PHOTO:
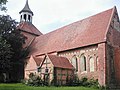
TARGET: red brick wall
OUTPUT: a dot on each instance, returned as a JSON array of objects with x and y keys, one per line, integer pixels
[
  {"x": 117, "y": 64},
  {"x": 31, "y": 67},
  {"x": 116, "y": 38},
  {"x": 90, "y": 51},
  {"x": 102, "y": 64},
  {"x": 62, "y": 74},
  {"x": 113, "y": 40}
]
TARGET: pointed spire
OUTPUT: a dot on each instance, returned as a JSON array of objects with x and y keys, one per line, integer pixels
[{"x": 26, "y": 8}]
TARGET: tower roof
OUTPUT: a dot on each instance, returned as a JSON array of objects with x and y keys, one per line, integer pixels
[{"x": 26, "y": 8}]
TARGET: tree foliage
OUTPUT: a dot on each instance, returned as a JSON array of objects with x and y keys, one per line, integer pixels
[
  {"x": 5, "y": 55},
  {"x": 12, "y": 35},
  {"x": 2, "y": 5},
  {"x": 11, "y": 50},
  {"x": 11, "y": 42}
]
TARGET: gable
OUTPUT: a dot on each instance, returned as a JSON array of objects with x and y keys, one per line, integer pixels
[
  {"x": 29, "y": 28},
  {"x": 46, "y": 64},
  {"x": 38, "y": 60},
  {"x": 31, "y": 64},
  {"x": 113, "y": 34}
]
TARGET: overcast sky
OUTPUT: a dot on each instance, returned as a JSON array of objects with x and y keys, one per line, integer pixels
[{"x": 52, "y": 14}]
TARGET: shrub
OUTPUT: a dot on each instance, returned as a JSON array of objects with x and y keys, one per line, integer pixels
[
  {"x": 93, "y": 83},
  {"x": 72, "y": 81},
  {"x": 82, "y": 82},
  {"x": 34, "y": 80},
  {"x": 89, "y": 82}
]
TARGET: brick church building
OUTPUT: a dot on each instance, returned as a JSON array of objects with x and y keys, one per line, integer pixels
[{"x": 88, "y": 48}]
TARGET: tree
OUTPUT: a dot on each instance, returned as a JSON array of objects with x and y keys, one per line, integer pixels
[
  {"x": 12, "y": 40},
  {"x": 5, "y": 55},
  {"x": 12, "y": 35},
  {"x": 2, "y": 3},
  {"x": 11, "y": 50}
]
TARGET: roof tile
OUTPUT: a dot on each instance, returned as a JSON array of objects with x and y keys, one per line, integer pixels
[
  {"x": 29, "y": 27},
  {"x": 91, "y": 30},
  {"x": 38, "y": 60},
  {"x": 60, "y": 62}
]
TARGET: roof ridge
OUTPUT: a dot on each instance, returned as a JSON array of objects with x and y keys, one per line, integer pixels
[
  {"x": 89, "y": 31},
  {"x": 78, "y": 21}
]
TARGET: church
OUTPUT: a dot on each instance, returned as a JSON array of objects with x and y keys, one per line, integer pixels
[{"x": 86, "y": 48}]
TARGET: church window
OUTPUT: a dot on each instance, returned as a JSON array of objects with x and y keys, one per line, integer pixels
[
  {"x": 92, "y": 65},
  {"x": 25, "y": 17},
  {"x": 83, "y": 64},
  {"x": 75, "y": 63}
]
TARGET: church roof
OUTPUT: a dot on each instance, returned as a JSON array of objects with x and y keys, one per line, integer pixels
[
  {"x": 89, "y": 31},
  {"x": 60, "y": 62},
  {"x": 38, "y": 60},
  {"x": 26, "y": 8},
  {"x": 29, "y": 27}
]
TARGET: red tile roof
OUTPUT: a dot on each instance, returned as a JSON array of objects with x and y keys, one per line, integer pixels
[
  {"x": 91, "y": 30},
  {"x": 38, "y": 60},
  {"x": 60, "y": 62},
  {"x": 29, "y": 27}
]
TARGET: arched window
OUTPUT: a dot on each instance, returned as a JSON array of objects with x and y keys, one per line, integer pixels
[
  {"x": 92, "y": 65},
  {"x": 83, "y": 66},
  {"x": 25, "y": 17},
  {"x": 75, "y": 63}
]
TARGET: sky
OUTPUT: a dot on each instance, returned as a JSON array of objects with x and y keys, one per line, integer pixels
[{"x": 50, "y": 15}]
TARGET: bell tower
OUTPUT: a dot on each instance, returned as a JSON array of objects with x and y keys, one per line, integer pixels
[{"x": 26, "y": 14}]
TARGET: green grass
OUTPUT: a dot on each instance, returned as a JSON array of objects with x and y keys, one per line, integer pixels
[{"x": 20, "y": 86}]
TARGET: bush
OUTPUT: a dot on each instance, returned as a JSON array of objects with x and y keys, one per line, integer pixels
[
  {"x": 34, "y": 80},
  {"x": 72, "y": 81},
  {"x": 89, "y": 83},
  {"x": 93, "y": 83},
  {"x": 82, "y": 82}
]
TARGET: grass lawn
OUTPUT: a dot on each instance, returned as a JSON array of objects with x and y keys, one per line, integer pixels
[{"x": 24, "y": 87}]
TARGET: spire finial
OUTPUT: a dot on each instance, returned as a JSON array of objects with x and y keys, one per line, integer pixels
[
  {"x": 27, "y": 3},
  {"x": 26, "y": 8}
]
